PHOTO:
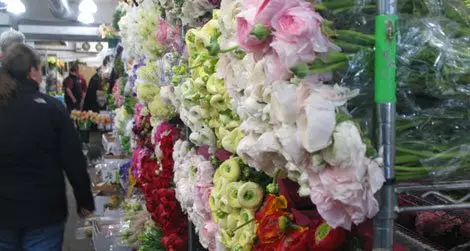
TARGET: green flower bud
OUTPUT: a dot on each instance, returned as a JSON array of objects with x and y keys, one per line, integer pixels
[
  {"x": 300, "y": 70},
  {"x": 260, "y": 31}
]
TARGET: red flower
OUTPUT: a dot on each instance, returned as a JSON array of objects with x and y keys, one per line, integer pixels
[
  {"x": 298, "y": 240},
  {"x": 328, "y": 238},
  {"x": 173, "y": 242},
  {"x": 266, "y": 247},
  {"x": 269, "y": 228}
]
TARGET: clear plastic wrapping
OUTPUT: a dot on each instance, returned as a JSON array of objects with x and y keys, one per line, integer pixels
[
  {"x": 434, "y": 143},
  {"x": 432, "y": 58}
]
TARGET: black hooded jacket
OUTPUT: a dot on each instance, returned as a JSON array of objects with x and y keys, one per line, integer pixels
[{"x": 38, "y": 142}]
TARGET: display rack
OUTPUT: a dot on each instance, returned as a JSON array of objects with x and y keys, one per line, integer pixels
[{"x": 431, "y": 196}]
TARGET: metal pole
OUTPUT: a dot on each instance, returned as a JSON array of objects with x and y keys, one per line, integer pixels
[{"x": 385, "y": 99}]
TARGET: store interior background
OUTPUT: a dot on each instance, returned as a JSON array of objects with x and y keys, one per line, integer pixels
[{"x": 51, "y": 27}]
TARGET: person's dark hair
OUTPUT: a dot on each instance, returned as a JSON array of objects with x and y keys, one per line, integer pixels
[
  {"x": 74, "y": 67},
  {"x": 16, "y": 65},
  {"x": 106, "y": 60}
]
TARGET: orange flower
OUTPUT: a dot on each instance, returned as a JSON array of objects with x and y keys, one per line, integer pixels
[
  {"x": 269, "y": 230},
  {"x": 272, "y": 204}
]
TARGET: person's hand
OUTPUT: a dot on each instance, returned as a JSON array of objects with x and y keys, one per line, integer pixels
[{"x": 82, "y": 212}]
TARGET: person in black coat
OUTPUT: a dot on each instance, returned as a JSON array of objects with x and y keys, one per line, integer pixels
[
  {"x": 38, "y": 143},
  {"x": 91, "y": 98}
]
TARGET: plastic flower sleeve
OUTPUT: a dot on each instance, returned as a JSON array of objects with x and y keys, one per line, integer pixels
[
  {"x": 433, "y": 143},
  {"x": 433, "y": 59}
]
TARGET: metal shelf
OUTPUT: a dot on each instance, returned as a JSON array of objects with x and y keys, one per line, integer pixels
[
  {"x": 414, "y": 241},
  {"x": 433, "y": 198}
]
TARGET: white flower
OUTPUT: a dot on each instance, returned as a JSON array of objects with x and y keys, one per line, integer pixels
[
  {"x": 203, "y": 136},
  {"x": 348, "y": 150},
  {"x": 227, "y": 21},
  {"x": 285, "y": 104},
  {"x": 194, "y": 9},
  {"x": 291, "y": 149},
  {"x": 262, "y": 152}
]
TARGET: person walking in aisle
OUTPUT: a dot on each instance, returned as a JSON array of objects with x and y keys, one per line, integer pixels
[
  {"x": 73, "y": 93},
  {"x": 93, "y": 91},
  {"x": 38, "y": 143}
]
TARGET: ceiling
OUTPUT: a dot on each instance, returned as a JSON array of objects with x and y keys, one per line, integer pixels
[
  {"x": 41, "y": 12},
  {"x": 38, "y": 22}
]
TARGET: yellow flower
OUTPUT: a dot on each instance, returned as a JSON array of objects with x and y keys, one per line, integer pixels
[{"x": 147, "y": 92}]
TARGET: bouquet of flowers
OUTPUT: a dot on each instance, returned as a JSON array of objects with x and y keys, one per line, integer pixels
[
  {"x": 153, "y": 168},
  {"x": 84, "y": 119},
  {"x": 108, "y": 31},
  {"x": 206, "y": 107},
  {"x": 193, "y": 181}
]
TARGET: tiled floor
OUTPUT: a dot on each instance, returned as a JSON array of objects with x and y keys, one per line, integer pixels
[{"x": 70, "y": 242}]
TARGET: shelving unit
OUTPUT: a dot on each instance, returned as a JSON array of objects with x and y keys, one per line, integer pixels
[{"x": 419, "y": 197}]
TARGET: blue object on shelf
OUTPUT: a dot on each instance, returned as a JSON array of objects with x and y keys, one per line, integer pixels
[{"x": 61, "y": 98}]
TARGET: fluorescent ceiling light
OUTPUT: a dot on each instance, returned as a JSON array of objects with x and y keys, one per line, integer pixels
[
  {"x": 16, "y": 7},
  {"x": 86, "y": 18},
  {"x": 88, "y": 6}
]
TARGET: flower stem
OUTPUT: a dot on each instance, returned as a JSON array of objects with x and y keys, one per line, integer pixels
[
  {"x": 411, "y": 176},
  {"x": 406, "y": 159},
  {"x": 242, "y": 225},
  {"x": 229, "y": 49},
  {"x": 430, "y": 154},
  {"x": 196, "y": 66},
  {"x": 415, "y": 169}
]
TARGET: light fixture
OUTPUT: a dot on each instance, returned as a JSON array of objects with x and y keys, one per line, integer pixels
[
  {"x": 86, "y": 18},
  {"x": 88, "y": 6},
  {"x": 15, "y": 7}
]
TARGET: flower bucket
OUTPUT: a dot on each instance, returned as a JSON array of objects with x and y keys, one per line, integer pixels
[{"x": 84, "y": 126}]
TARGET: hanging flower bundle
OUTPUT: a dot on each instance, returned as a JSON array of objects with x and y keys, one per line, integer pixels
[{"x": 250, "y": 82}]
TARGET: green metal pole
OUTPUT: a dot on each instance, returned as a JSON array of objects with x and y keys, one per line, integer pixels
[{"x": 385, "y": 99}]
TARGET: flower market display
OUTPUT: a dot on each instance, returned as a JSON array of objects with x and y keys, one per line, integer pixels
[
  {"x": 231, "y": 73},
  {"x": 250, "y": 119},
  {"x": 84, "y": 119}
]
